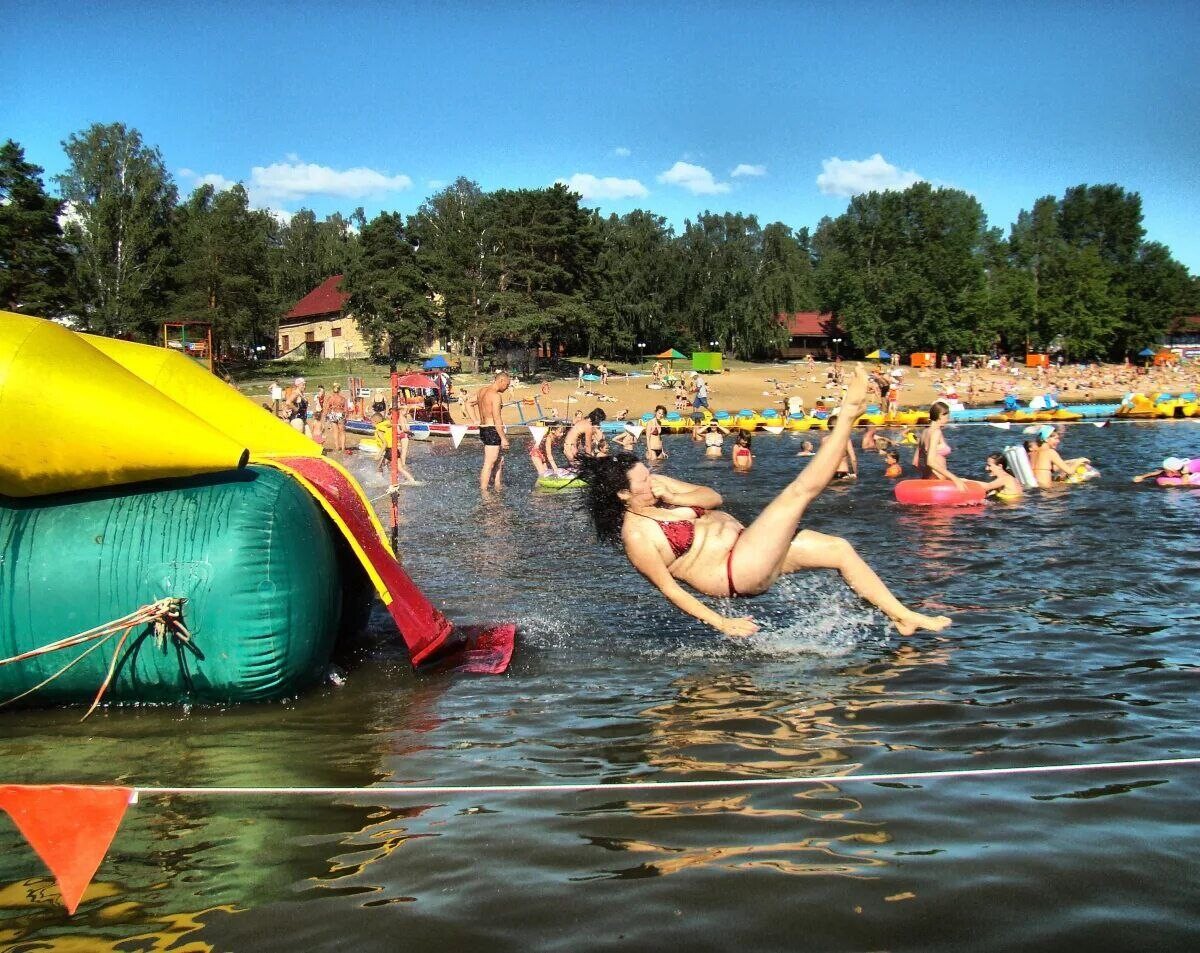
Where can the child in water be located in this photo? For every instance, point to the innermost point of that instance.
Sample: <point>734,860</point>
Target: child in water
<point>893,471</point>
<point>1174,468</point>
<point>743,458</point>
<point>806,449</point>
<point>1004,485</point>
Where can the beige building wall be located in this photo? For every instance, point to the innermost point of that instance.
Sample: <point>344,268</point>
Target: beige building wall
<point>327,337</point>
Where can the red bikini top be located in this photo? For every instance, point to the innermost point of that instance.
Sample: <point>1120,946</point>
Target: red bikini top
<point>680,533</point>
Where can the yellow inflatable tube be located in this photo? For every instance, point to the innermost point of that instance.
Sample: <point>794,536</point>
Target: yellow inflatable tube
<point>224,407</point>
<point>77,420</point>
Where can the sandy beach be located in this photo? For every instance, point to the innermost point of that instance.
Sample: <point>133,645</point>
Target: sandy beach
<point>768,385</point>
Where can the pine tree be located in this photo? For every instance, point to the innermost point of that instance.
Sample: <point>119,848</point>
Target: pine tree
<point>35,265</point>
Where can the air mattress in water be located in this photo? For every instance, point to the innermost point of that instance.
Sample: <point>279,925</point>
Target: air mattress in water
<point>250,550</point>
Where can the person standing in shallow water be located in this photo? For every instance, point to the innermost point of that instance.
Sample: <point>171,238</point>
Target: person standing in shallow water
<point>491,430</point>
<point>673,532</point>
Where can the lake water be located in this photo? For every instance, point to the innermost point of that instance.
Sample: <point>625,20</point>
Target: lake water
<point>1075,640</point>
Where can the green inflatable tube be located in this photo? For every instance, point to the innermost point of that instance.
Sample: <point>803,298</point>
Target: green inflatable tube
<point>255,557</point>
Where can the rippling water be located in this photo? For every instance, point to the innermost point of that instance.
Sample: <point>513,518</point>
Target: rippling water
<point>1075,640</point>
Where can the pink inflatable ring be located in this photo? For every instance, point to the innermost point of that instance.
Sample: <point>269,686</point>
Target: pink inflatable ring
<point>939,493</point>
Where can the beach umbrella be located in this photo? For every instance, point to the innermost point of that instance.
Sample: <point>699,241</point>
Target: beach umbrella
<point>879,355</point>
<point>671,355</point>
<point>1146,352</point>
<point>416,382</point>
<point>435,363</point>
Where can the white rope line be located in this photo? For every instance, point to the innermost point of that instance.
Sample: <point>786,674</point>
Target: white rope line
<point>833,779</point>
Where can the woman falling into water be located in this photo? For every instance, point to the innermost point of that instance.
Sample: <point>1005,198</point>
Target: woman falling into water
<point>673,533</point>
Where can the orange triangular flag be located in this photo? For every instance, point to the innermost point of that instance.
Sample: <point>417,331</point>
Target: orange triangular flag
<point>69,826</point>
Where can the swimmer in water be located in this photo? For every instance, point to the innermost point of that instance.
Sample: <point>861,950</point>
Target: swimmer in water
<point>673,532</point>
<point>1004,485</point>
<point>893,471</point>
<point>932,449</point>
<point>1046,459</point>
<point>714,440</point>
<point>586,430</point>
<point>743,457</point>
<point>806,449</point>
<point>1174,468</point>
<point>654,445</point>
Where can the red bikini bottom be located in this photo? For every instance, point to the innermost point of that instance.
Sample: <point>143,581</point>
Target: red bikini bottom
<point>733,593</point>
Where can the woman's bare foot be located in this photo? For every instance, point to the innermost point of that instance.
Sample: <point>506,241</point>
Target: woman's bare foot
<point>908,624</point>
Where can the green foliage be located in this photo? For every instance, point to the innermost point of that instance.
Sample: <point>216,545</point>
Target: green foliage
<point>389,293</point>
<point>121,200</point>
<point>222,274</point>
<point>905,270</point>
<point>35,265</point>
<point>912,270</point>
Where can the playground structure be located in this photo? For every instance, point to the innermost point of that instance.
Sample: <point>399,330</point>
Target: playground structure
<point>191,338</point>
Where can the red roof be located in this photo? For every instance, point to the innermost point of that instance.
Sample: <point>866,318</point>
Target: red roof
<point>325,298</point>
<point>809,324</point>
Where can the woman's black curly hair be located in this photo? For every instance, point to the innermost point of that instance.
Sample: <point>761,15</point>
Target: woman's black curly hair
<point>605,478</point>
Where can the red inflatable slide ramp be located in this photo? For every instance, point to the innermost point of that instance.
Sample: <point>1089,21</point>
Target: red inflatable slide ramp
<point>433,641</point>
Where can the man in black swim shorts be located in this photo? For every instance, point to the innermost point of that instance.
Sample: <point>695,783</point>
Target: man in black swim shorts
<point>491,430</point>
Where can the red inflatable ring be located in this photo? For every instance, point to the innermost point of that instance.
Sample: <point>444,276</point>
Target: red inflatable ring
<point>939,493</point>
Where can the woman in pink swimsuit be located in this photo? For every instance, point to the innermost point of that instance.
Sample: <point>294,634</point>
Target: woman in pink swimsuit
<point>932,449</point>
<point>673,532</point>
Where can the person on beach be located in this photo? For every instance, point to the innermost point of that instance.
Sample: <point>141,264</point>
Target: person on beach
<point>1004,485</point>
<point>654,445</point>
<point>296,403</point>
<point>335,408</point>
<point>491,430</point>
<point>674,532</point>
<point>1047,461</point>
<point>932,449</point>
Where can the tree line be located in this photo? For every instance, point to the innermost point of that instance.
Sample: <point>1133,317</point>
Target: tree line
<point>120,252</point>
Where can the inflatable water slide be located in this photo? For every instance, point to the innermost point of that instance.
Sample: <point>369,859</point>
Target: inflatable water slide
<point>164,539</point>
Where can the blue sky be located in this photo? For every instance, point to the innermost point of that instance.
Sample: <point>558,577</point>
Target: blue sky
<point>778,109</point>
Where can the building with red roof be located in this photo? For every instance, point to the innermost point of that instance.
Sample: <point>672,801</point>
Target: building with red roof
<point>815,333</point>
<point>319,325</point>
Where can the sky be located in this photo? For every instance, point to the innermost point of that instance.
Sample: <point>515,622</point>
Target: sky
<point>782,110</point>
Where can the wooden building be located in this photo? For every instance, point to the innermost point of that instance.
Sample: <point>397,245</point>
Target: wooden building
<point>815,333</point>
<point>319,326</point>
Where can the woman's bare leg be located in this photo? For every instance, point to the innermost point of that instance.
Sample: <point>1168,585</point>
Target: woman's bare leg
<point>761,551</point>
<point>812,550</point>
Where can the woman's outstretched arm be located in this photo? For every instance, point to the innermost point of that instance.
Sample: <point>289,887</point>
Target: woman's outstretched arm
<point>679,493</point>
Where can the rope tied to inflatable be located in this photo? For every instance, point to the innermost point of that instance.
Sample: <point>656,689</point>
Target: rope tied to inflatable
<point>165,617</point>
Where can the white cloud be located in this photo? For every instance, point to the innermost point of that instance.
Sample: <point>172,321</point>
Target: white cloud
<point>591,188</point>
<point>217,181</point>
<point>297,180</point>
<point>621,152</point>
<point>744,169</point>
<point>695,178</point>
<point>187,173</point>
<point>853,176</point>
<point>282,216</point>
